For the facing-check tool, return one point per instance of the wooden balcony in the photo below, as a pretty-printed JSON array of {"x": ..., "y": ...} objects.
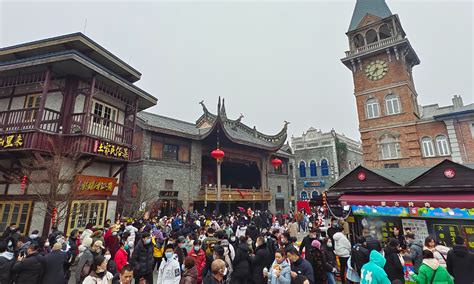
[
  {"x": 209, "y": 193},
  {"x": 20, "y": 130}
]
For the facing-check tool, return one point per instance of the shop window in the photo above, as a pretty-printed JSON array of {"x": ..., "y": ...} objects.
[
  {"x": 32, "y": 102},
  {"x": 324, "y": 167},
  {"x": 84, "y": 212},
  {"x": 279, "y": 189},
  {"x": 170, "y": 152},
  {"x": 442, "y": 145},
  {"x": 17, "y": 212},
  {"x": 302, "y": 169},
  {"x": 312, "y": 167},
  {"x": 169, "y": 184}
]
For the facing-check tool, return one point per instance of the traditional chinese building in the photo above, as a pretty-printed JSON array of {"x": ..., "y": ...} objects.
[
  {"x": 175, "y": 168},
  {"x": 67, "y": 114}
]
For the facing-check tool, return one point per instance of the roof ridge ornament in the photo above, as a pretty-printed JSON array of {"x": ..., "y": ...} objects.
[{"x": 204, "y": 108}]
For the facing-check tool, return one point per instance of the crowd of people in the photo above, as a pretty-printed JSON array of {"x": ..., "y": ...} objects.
[{"x": 245, "y": 247}]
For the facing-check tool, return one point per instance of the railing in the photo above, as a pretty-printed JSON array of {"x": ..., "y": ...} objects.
[
  {"x": 102, "y": 128},
  {"x": 209, "y": 192},
  {"x": 25, "y": 119},
  {"x": 374, "y": 45}
]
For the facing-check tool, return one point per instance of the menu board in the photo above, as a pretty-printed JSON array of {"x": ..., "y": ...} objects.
[
  {"x": 446, "y": 233},
  {"x": 380, "y": 229},
  {"x": 417, "y": 227},
  {"x": 469, "y": 233},
  {"x": 387, "y": 230}
]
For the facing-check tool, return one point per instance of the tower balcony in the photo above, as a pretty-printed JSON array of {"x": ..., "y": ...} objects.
[{"x": 375, "y": 46}]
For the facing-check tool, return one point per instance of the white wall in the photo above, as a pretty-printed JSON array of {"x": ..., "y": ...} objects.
[
  {"x": 18, "y": 103},
  {"x": 111, "y": 208},
  {"x": 37, "y": 217},
  {"x": 54, "y": 101},
  {"x": 97, "y": 169}
]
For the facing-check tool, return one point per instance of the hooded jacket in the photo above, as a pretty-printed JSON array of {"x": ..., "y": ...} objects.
[
  {"x": 6, "y": 264},
  {"x": 393, "y": 267},
  {"x": 285, "y": 273},
  {"x": 427, "y": 270},
  {"x": 342, "y": 246},
  {"x": 30, "y": 270},
  {"x": 241, "y": 263},
  {"x": 259, "y": 261},
  {"x": 460, "y": 263},
  {"x": 416, "y": 253},
  {"x": 372, "y": 272},
  {"x": 359, "y": 257},
  {"x": 142, "y": 258}
]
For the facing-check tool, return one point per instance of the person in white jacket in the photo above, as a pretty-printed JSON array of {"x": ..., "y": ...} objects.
[
  {"x": 169, "y": 271},
  {"x": 342, "y": 248}
]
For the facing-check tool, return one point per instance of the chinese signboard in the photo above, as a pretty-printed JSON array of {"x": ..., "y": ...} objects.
[
  {"x": 168, "y": 193},
  {"x": 446, "y": 233},
  {"x": 469, "y": 233},
  {"x": 93, "y": 185},
  {"x": 316, "y": 183},
  {"x": 111, "y": 150},
  {"x": 417, "y": 227},
  {"x": 11, "y": 141}
]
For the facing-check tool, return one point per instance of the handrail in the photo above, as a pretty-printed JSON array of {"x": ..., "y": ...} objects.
[
  {"x": 23, "y": 119},
  {"x": 374, "y": 45}
]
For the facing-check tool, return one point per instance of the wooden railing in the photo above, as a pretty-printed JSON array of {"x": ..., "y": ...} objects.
[
  {"x": 101, "y": 128},
  {"x": 25, "y": 119},
  {"x": 209, "y": 193}
]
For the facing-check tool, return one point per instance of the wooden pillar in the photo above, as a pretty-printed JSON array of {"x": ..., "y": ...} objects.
[
  {"x": 87, "y": 107},
  {"x": 69, "y": 100},
  {"x": 39, "y": 114},
  {"x": 134, "y": 120}
]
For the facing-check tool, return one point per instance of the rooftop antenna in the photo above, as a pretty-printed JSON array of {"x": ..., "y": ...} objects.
[{"x": 85, "y": 26}]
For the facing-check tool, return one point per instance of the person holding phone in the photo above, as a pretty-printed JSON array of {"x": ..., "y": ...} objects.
[{"x": 29, "y": 267}]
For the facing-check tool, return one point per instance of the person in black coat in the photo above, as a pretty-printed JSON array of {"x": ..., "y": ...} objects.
[
  {"x": 252, "y": 232},
  {"x": 261, "y": 259},
  {"x": 142, "y": 259},
  {"x": 299, "y": 266},
  {"x": 460, "y": 262},
  {"x": 318, "y": 261},
  {"x": 6, "y": 263},
  {"x": 393, "y": 267},
  {"x": 371, "y": 242},
  {"x": 359, "y": 255},
  {"x": 29, "y": 269},
  {"x": 54, "y": 268},
  {"x": 308, "y": 240},
  {"x": 241, "y": 263}
]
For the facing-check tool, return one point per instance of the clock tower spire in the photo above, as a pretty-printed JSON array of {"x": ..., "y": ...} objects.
[{"x": 381, "y": 59}]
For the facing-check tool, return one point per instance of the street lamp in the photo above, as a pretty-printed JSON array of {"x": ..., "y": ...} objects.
[{"x": 218, "y": 154}]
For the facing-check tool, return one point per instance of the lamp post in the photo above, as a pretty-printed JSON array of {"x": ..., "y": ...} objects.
[{"x": 218, "y": 154}]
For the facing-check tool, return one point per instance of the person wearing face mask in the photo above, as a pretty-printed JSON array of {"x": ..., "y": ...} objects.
[
  {"x": 111, "y": 265},
  {"x": 218, "y": 273},
  {"x": 142, "y": 259},
  {"x": 99, "y": 273},
  {"x": 97, "y": 248},
  {"x": 333, "y": 229},
  {"x": 34, "y": 238},
  {"x": 190, "y": 272},
  {"x": 199, "y": 257},
  {"x": 121, "y": 257},
  {"x": 112, "y": 241},
  {"x": 330, "y": 256},
  {"x": 6, "y": 263},
  {"x": 55, "y": 263},
  {"x": 86, "y": 259},
  {"x": 169, "y": 271},
  {"x": 308, "y": 240},
  {"x": 262, "y": 259}
]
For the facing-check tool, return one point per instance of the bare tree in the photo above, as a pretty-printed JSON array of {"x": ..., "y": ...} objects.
[
  {"x": 50, "y": 178},
  {"x": 144, "y": 201}
]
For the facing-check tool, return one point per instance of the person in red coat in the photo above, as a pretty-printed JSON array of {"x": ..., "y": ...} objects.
[
  {"x": 121, "y": 256},
  {"x": 199, "y": 256},
  {"x": 112, "y": 241}
]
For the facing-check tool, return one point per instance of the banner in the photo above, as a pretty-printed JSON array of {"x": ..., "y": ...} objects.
[{"x": 379, "y": 211}]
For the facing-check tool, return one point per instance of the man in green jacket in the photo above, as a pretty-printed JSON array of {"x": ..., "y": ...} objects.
[
  {"x": 431, "y": 272},
  {"x": 372, "y": 272}
]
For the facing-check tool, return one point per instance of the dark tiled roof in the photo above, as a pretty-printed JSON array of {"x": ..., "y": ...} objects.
[
  {"x": 167, "y": 123},
  {"x": 363, "y": 7},
  {"x": 402, "y": 176}
]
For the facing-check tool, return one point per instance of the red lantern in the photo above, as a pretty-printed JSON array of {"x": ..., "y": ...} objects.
[
  {"x": 23, "y": 185},
  {"x": 218, "y": 154},
  {"x": 53, "y": 216},
  {"x": 276, "y": 163}
]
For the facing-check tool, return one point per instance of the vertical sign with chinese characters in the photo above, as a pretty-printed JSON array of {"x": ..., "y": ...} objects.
[
  {"x": 469, "y": 233},
  {"x": 111, "y": 150},
  {"x": 446, "y": 233}
]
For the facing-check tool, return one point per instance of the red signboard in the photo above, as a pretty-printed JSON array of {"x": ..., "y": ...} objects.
[{"x": 94, "y": 185}]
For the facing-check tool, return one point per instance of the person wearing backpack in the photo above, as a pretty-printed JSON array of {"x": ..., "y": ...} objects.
[
  {"x": 241, "y": 263},
  {"x": 431, "y": 272}
]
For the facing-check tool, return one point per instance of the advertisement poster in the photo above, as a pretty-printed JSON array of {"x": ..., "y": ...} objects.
[
  {"x": 469, "y": 233},
  {"x": 417, "y": 227},
  {"x": 446, "y": 233}
]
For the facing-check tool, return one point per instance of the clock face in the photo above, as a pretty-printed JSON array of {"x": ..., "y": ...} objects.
[{"x": 376, "y": 70}]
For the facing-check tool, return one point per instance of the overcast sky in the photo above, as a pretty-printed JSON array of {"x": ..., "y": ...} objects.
[{"x": 271, "y": 60}]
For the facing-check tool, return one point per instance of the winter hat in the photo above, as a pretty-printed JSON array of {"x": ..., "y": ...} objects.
[
  {"x": 316, "y": 244},
  {"x": 87, "y": 242}
]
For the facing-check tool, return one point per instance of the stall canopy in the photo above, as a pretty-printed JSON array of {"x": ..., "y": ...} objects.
[{"x": 410, "y": 200}]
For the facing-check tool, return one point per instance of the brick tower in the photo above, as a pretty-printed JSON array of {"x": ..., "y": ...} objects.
[{"x": 381, "y": 59}]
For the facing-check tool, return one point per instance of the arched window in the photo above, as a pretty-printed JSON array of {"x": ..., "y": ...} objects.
[
  {"x": 389, "y": 147},
  {"x": 392, "y": 104},
  {"x": 304, "y": 195},
  {"x": 427, "y": 145},
  {"x": 324, "y": 167},
  {"x": 384, "y": 32},
  {"x": 442, "y": 145},
  {"x": 312, "y": 167},
  {"x": 302, "y": 169},
  {"x": 371, "y": 36},
  {"x": 314, "y": 194},
  {"x": 372, "y": 108},
  {"x": 358, "y": 41}
]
